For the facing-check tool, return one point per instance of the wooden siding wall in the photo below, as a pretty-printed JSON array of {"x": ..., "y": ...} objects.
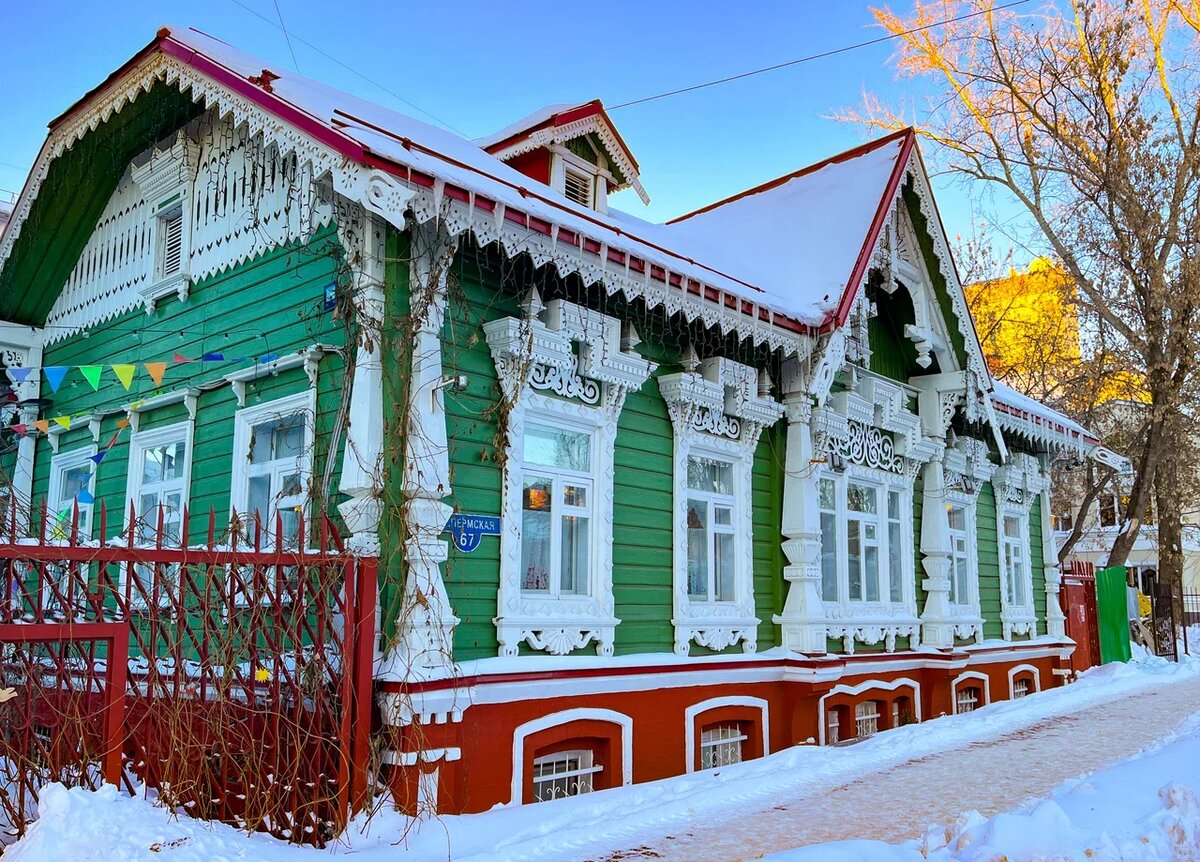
[
  {"x": 270, "y": 305},
  {"x": 643, "y": 537}
]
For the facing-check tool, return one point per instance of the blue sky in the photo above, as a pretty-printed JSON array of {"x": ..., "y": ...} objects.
[{"x": 477, "y": 66}]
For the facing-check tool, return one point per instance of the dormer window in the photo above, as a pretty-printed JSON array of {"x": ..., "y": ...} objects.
[
  {"x": 577, "y": 186},
  {"x": 166, "y": 180}
]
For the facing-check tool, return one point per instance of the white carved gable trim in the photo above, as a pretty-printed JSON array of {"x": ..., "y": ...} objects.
[
  {"x": 563, "y": 363},
  {"x": 717, "y": 411}
]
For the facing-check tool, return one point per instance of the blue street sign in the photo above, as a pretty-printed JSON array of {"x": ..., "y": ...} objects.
[{"x": 468, "y": 530}]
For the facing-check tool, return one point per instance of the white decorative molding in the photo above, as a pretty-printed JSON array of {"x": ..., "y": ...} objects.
[
  {"x": 968, "y": 676},
  {"x": 698, "y": 709},
  {"x": 576, "y": 353},
  {"x": 1016, "y": 485},
  {"x": 566, "y": 716},
  {"x": 869, "y": 685},
  {"x": 1023, "y": 668},
  {"x": 729, "y": 390}
]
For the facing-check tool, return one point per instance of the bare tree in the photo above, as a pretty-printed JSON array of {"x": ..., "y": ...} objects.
[{"x": 1087, "y": 116}]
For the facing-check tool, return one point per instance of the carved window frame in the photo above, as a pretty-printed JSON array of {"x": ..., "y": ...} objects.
[
  {"x": 1017, "y": 485},
  {"x": 717, "y": 411},
  {"x": 562, "y": 363}
]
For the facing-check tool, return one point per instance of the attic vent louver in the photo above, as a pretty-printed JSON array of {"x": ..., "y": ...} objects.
[
  {"x": 578, "y": 187},
  {"x": 172, "y": 250}
]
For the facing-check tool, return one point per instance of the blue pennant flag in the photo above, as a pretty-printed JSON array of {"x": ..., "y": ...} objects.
[
  {"x": 268, "y": 357},
  {"x": 20, "y": 375},
  {"x": 99, "y": 456},
  {"x": 213, "y": 357},
  {"x": 85, "y": 497},
  {"x": 54, "y": 376}
]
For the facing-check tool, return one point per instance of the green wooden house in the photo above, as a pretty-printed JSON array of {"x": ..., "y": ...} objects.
[{"x": 647, "y": 498}]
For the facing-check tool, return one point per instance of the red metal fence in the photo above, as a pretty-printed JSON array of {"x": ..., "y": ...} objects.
[{"x": 233, "y": 676}]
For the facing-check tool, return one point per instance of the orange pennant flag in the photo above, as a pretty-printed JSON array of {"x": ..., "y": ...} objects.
[
  {"x": 42, "y": 425},
  {"x": 123, "y": 422},
  {"x": 156, "y": 371}
]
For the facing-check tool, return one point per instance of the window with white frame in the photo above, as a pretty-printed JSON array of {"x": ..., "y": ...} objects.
[
  {"x": 866, "y": 539},
  {"x": 71, "y": 473},
  {"x": 866, "y": 719},
  {"x": 967, "y": 699},
  {"x": 273, "y": 464},
  {"x": 556, "y": 510},
  {"x": 1020, "y": 688},
  {"x": 833, "y": 726},
  {"x": 565, "y": 773},
  {"x": 1015, "y": 547},
  {"x": 961, "y": 564},
  {"x": 158, "y": 482},
  {"x": 721, "y": 745},
  {"x": 711, "y": 534}
]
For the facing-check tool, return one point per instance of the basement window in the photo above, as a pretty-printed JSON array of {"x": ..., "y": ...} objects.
[
  {"x": 967, "y": 699},
  {"x": 721, "y": 745},
  {"x": 1020, "y": 688},
  {"x": 565, "y": 773},
  {"x": 866, "y": 718}
]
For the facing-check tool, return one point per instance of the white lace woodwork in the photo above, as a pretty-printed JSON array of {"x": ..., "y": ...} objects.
[
  {"x": 966, "y": 467},
  {"x": 802, "y": 622},
  {"x": 1055, "y": 618},
  {"x": 426, "y": 622},
  {"x": 240, "y": 197},
  {"x": 575, "y": 353},
  {"x": 1016, "y": 485},
  {"x": 362, "y": 239},
  {"x": 717, "y": 412},
  {"x": 21, "y": 346},
  {"x": 386, "y": 195}
]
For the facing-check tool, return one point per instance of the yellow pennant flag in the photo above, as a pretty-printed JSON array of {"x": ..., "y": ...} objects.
[
  {"x": 124, "y": 374},
  {"x": 156, "y": 371},
  {"x": 63, "y": 421}
]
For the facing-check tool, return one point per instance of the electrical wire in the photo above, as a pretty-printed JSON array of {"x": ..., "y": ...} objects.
[
  {"x": 354, "y": 71},
  {"x": 822, "y": 55},
  {"x": 287, "y": 37}
]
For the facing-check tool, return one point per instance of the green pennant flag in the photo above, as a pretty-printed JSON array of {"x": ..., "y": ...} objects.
[{"x": 91, "y": 373}]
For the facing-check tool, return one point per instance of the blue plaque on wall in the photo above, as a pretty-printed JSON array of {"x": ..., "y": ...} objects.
[{"x": 468, "y": 530}]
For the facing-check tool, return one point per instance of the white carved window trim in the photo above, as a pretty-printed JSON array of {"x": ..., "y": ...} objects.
[
  {"x": 59, "y": 465},
  {"x": 139, "y": 443},
  {"x": 589, "y": 384},
  {"x": 969, "y": 609},
  {"x": 167, "y": 182},
  {"x": 883, "y": 620},
  {"x": 301, "y": 403},
  {"x": 717, "y": 411},
  {"x": 1017, "y": 619}
]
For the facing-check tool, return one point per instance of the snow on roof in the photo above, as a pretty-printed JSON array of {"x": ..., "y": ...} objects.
[
  {"x": 1013, "y": 403},
  {"x": 801, "y": 236},
  {"x": 541, "y": 115}
]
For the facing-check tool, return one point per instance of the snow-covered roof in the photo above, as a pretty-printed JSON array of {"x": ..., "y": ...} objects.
[
  {"x": 1026, "y": 417},
  {"x": 530, "y": 121},
  {"x": 803, "y": 235}
]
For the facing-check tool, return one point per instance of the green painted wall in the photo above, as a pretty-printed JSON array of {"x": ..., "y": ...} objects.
[
  {"x": 270, "y": 305},
  {"x": 989, "y": 561},
  {"x": 1037, "y": 561}
]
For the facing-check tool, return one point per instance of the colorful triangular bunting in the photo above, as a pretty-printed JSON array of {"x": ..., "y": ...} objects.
[
  {"x": 54, "y": 376},
  {"x": 99, "y": 456},
  {"x": 20, "y": 375},
  {"x": 42, "y": 425},
  {"x": 213, "y": 357},
  {"x": 156, "y": 370},
  {"x": 63, "y": 421},
  {"x": 85, "y": 496},
  {"x": 91, "y": 373},
  {"x": 125, "y": 374},
  {"x": 179, "y": 359}
]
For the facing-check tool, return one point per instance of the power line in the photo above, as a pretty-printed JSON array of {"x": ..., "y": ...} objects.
[
  {"x": 812, "y": 57},
  {"x": 287, "y": 37},
  {"x": 354, "y": 71}
]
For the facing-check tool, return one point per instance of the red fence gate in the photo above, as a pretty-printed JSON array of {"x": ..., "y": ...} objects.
[
  {"x": 1078, "y": 597},
  {"x": 233, "y": 676}
]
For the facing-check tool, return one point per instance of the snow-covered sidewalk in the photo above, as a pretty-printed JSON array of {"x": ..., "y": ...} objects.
[{"x": 77, "y": 824}]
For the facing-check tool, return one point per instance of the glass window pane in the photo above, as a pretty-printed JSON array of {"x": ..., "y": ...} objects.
[
  {"x": 723, "y": 516},
  {"x": 697, "y": 550},
  {"x": 259, "y": 499},
  {"x": 829, "y": 557},
  {"x": 152, "y": 466},
  {"x": 74, "y": 480},
  {"x": 861, "y": 498},
  {"x": 1012, "y": 526},
  {"x": 854, "y": 560},
  {"x": 574, "y": 574},
  {"x": 172, "y": 460},
  {"x": 710, "y": 475},
  {"x": 957, "y": 516},
  {"x": 828, "y": 498},
  {"x": 895, "y": 563},
  {"x": 575, "y": 495},
  {"x": 894, "y": 505},
  {"x": 260, "y": 442},
  {"x": 554, "y": 447},
  {"x": 723, "y": 560},
  {"x": 289, "y": 437},
  {"x": 536, "y": 495},
  {"x": 535, "y": 535},
  {"x": 871, "y": 573}
]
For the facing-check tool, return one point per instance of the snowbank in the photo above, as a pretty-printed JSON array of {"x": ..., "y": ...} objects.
[
  {"x": 1144, "y": 809},
  {"x": 79, "y": 824}
]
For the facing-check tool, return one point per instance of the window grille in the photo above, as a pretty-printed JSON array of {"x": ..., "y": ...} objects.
[
  {"x": 866, "y": 719},
  {"x": 567, "y": 773},
  {"x": 968, "y": 699},
  {"x": 1020, "y": 688},
  {"x": 721, "y": 745},
  {"x": 832, "y": 734}
]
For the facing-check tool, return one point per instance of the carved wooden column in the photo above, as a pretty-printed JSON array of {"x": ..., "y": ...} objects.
[
  {"x": 803, "y": 618},
  {"x": 1055, "y": 619},
  {"x": 937, "y": 624},
  {"x": 22, "y": 348},
  {"x": 426, "y": 621},
  {"x": 363, "y": 237}
]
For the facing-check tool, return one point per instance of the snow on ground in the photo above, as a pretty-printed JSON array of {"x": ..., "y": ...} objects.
[
  {"x": 1145, "y": 809},
  {"x": 77, "y": 824}
]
